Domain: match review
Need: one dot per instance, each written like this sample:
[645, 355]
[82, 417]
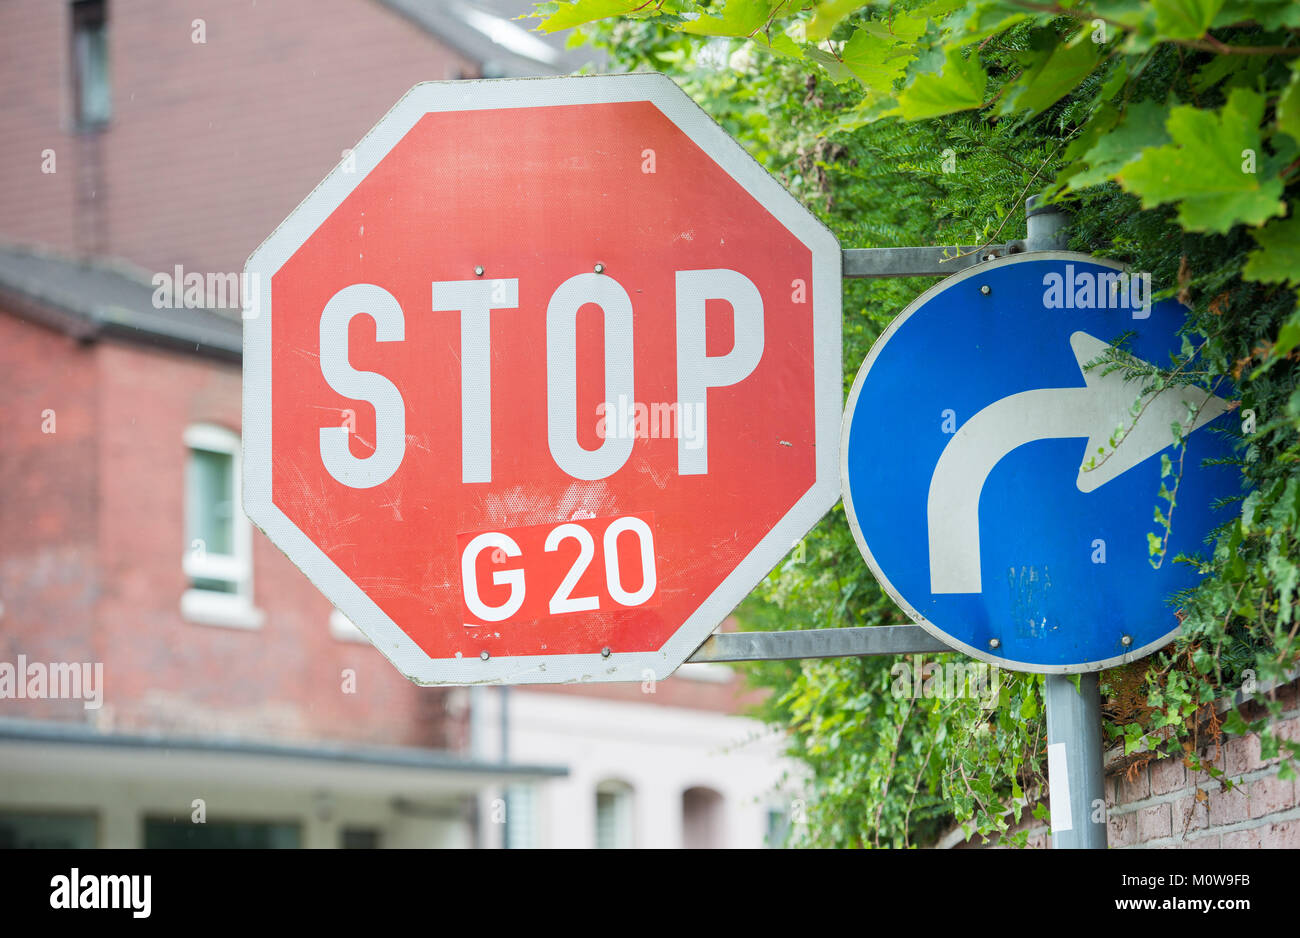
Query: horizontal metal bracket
[818, 643]
[923, 261]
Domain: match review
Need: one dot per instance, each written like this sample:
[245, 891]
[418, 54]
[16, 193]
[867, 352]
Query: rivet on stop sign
[600, 268]
[484, 655]
[604, 652]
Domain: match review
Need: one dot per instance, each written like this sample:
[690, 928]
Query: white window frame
[207, 607]
[343, 628]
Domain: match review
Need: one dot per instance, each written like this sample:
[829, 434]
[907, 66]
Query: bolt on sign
[543, 379]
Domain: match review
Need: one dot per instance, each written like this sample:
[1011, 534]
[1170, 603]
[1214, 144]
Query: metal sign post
[1074, 762]
[1076, 780]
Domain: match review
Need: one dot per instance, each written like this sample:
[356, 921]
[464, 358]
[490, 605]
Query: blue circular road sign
[1003, 493]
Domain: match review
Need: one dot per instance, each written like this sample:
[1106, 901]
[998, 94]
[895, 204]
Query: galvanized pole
[1075, 775]
[1074, 769]
[1074, 754]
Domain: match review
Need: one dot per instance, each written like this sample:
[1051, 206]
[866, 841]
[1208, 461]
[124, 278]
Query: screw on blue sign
[1002, 482]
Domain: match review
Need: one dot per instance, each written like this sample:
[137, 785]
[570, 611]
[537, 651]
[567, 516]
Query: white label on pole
[1058, 788]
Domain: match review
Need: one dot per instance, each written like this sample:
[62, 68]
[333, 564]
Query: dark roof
[488, 32]
[43, 731]
[94, 298]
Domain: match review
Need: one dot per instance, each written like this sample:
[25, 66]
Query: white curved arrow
[1094, 411]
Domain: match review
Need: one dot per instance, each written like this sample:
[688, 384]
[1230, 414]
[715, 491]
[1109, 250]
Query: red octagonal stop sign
[542, 380]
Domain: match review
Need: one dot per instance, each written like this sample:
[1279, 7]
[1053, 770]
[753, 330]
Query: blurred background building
[153, 137]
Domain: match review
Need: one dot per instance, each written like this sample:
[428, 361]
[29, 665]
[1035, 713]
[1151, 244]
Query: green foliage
[1172, 129]
[1210, 170]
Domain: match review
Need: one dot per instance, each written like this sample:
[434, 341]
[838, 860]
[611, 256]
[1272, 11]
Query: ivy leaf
[1029, 707]
[1185, 19]
[958, 88]
[1234, 724]
[1278, 257]
[1205, 169]
[1054, 75]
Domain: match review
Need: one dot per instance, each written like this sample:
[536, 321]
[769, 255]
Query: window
[166, 833]
[702, 819]
[613, 815]
[521, 817]
[360, 838]
[218, 538]
[92, 101]
[778, 828]
[39, 831]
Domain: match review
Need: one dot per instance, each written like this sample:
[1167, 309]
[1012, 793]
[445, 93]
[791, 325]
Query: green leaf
[586, 11]
[1278, 257]
[780, 45]
[980, 20]
[1288, 105]
[739, 18]
[827, 15]
[1184, 19]
[876, 62]
[1270, 14]
[1205, 169]
[1141, 127]
[1029, 707]
[835, 69]
[959, 87]
[1054, 75]
[1288, 337]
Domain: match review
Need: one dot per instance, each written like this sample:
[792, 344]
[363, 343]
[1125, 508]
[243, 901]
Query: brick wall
[210, 145]
[1162, 804]
[49, 575]
[91, 523]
